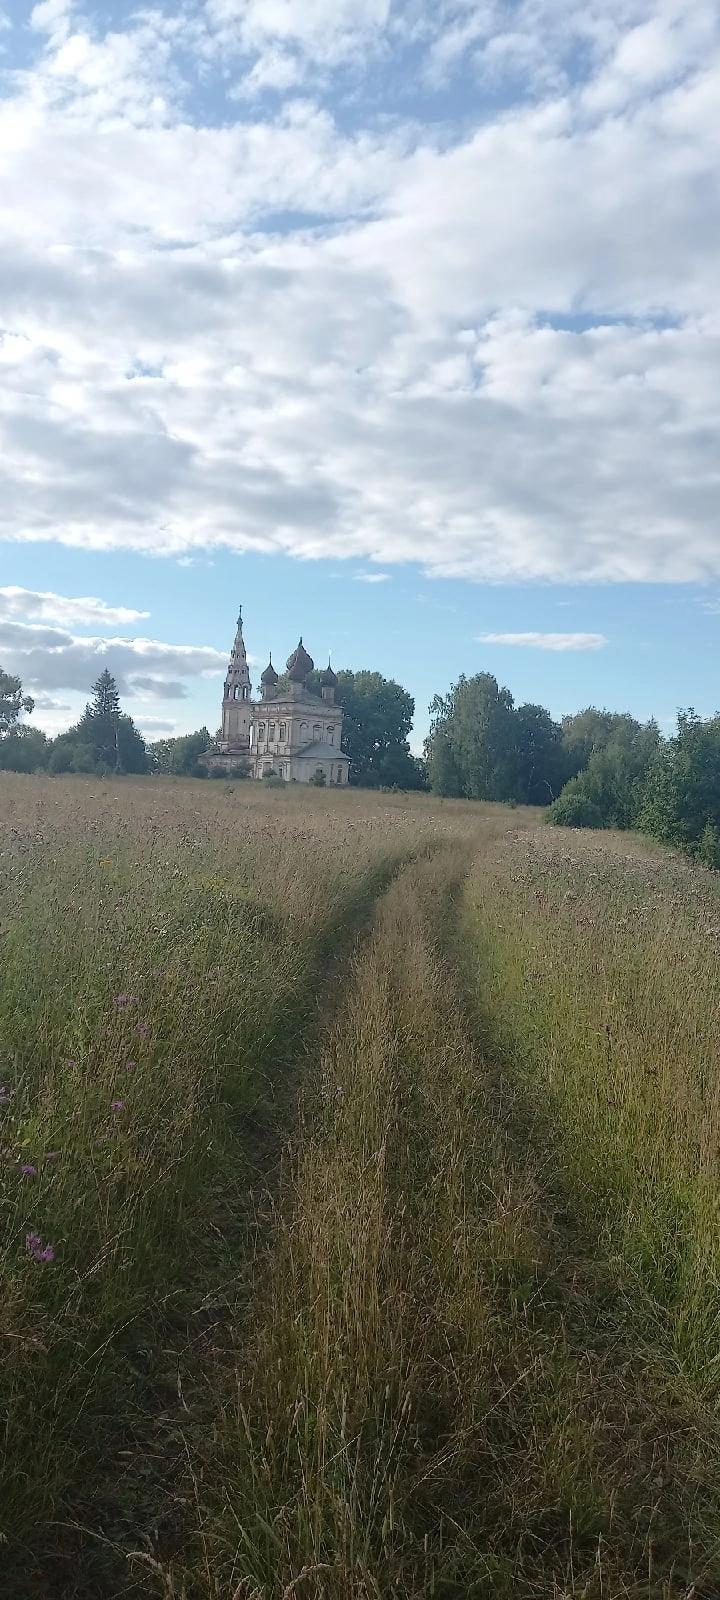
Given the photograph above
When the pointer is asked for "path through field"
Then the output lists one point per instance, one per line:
(382, 1314)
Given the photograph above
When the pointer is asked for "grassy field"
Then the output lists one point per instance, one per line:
(359, 1195)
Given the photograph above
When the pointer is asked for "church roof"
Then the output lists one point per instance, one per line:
(330, 752)
(269, 675)
(328, 679)
(299, 664)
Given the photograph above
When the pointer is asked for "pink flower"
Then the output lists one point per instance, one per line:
(122, 1001)
(72, 1065)
(117, 1105)
(143, 1029)
(130, 1065)
(28, 1170)
(36, 1248)
(52, 1155)
(5, 1096)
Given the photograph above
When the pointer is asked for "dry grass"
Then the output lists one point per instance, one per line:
(394, 1272)
(160, 951)
(596, 963)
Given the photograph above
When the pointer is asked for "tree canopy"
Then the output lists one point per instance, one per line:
(12, 702)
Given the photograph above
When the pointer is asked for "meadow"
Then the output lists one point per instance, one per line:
(358, 1200)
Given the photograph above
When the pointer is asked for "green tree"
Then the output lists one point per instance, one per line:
(541, 763)
(378, 715)
(476, 721)
(179, 757)
(587, 731)
(442, 768)
(24, 750)
(682, 793)
(12, 702)
(107, 735)
(613, 783)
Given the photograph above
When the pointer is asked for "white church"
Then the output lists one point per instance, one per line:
(291, 732)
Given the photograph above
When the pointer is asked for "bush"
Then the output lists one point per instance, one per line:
(318, 779)
(272, 781)
(573, 810)
(709, 847)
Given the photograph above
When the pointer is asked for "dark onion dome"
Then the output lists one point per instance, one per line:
(299, 664)
(328, 679)
(269, 677)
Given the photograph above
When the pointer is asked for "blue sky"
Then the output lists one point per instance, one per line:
(298, 296)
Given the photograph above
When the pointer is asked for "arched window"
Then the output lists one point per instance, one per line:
(303, 730)
(317, 731)
(271, 731)
(331, 735)
(283, 730)
(261, 730)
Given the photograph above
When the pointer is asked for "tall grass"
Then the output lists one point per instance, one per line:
(595, 962)
(434, 1397)
(160, 951)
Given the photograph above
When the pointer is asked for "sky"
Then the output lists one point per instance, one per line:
(396, 321)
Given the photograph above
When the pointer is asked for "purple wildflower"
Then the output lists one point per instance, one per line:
(122, 1001)
(117, 1105)
(52, 1155)
(28, 1170)
(36, 1248)
(143, 1029)
(5, 1096)
(72, 1065)
(130, 1065)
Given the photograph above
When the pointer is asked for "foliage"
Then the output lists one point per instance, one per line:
(612, 786)
(682, 799)
(573, 808)
(24, 749)
(318, 779)
(483, 747)
(12, 702)
(587, 731)
(377, 722)
(541, 765)
(179, 757)
(105, 740)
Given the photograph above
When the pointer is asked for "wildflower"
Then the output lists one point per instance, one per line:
(122, 1001)
(28, 1170)
(143, 1029)
(130, 1066)
(5, 1096)
(117, 1105)
(36, 1248)
(51, 1155)
(72, 1065)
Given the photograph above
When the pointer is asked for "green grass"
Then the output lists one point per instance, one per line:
(394, 1272)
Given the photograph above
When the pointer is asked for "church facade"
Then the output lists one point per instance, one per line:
(290, 731)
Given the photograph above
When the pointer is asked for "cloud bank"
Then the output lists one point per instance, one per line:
(257, 294)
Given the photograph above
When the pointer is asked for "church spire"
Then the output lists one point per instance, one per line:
(237, 677)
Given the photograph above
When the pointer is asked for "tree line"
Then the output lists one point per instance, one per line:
(378, 716)
(592, 769)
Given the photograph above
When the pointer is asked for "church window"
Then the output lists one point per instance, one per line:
(303, 730)
(271, 731)
(331, 735)
(261, 730)
(283, 730)
(317, 731)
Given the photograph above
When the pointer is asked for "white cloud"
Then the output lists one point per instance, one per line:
(372, 577)
(491, 349)
(43, 606)
(50, 658)
(547, 641)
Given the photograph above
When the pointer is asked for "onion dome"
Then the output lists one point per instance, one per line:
(328, 679)
(299, 664)
(269, 677)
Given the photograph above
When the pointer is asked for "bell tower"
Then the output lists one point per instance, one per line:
(236, 707)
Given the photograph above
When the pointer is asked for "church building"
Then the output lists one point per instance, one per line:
(291, 731)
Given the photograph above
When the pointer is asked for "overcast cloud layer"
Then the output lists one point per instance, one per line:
(396, 279)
